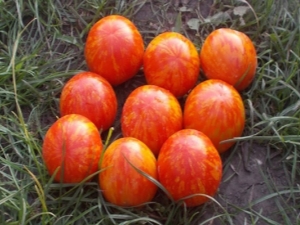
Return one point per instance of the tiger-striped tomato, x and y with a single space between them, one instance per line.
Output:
229 55
216 109
121 179
72 148
172 61
114 49
90 95
151 114
189 164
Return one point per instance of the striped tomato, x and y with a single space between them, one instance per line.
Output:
72 147
121 180
189 164
114 49
171 61
151 114
90 95
216 109
229 55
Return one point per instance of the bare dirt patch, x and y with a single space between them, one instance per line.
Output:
254 176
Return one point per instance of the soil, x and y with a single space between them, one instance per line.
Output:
250 178
253 171
250 181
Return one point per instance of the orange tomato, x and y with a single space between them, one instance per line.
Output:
229 55
90 95
171 61
72 146
151 114
120 181
114 49
189 164
216 109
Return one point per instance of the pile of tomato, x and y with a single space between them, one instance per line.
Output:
163 145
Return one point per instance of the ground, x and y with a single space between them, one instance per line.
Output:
244 180
260 183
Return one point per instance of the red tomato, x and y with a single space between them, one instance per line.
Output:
216 109
151 114
114 49
121 183
72 144
171 61
189 164
90 95
229 55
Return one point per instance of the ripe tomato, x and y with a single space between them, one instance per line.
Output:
229 55
151 114
189 164
216 109
121 183
73 146
114 49
171 61
90 95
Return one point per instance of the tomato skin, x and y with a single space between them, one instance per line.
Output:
188 164
172 61
73 143
151 114
121 183
114 49
90 95
216 109
229 55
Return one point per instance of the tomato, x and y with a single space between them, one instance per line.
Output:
73 146
229 55
90 95
151 114
171 61
189 164
216 109
114 49
121 181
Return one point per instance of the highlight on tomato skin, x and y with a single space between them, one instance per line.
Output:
151 114
229 55
73 147
120 181
189 164
171 61
114 49
216 109
92 96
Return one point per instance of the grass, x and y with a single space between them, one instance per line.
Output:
41 46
